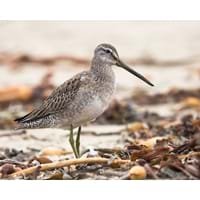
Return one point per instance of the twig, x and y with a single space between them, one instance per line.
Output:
65 163
190 154
101 134
182 170
107 150
150 171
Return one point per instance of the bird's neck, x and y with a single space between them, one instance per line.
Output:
102 70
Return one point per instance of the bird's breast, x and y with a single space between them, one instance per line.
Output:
93 100
96 105
95 108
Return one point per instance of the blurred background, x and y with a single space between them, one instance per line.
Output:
37 56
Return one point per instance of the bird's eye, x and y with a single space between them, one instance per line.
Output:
108 51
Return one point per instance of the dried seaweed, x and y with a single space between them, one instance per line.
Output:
154 146
18 60
172 96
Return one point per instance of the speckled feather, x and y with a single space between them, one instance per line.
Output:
78 100
60 98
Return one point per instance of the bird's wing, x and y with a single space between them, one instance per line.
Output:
59 99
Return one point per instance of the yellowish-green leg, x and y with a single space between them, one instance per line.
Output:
71 141
78 141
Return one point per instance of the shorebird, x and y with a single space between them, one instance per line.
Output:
80 99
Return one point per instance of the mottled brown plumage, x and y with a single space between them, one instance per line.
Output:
64 106
83 97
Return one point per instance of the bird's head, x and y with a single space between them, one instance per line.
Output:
108 54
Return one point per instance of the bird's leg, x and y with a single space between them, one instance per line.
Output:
78 141
71 141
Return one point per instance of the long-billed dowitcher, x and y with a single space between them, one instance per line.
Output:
80 99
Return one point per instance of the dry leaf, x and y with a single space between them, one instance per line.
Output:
43 160
137 126
150 143
138 151
15 93
190 102
54 152
54 176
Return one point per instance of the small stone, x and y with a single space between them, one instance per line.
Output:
137 173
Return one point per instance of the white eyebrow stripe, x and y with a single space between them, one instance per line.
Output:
109 49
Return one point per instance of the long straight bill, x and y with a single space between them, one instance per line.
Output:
127 68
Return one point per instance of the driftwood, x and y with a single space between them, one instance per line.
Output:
65 163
